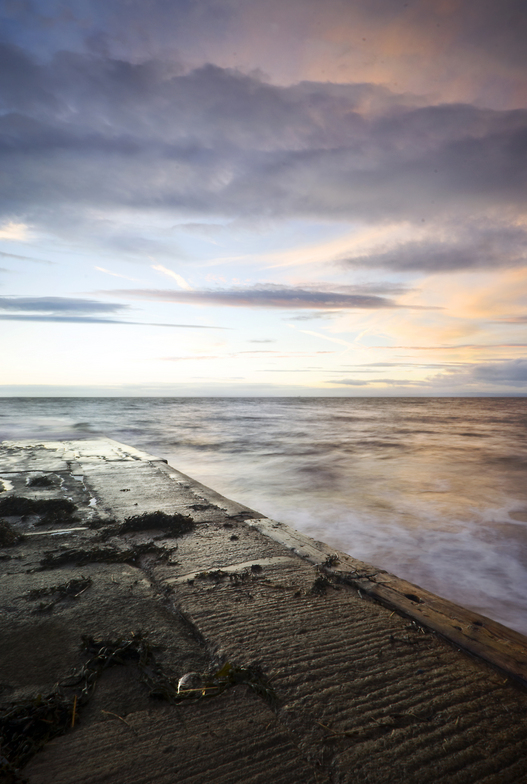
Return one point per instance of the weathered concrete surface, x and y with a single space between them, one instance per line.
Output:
362 693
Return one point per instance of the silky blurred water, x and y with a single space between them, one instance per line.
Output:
433 490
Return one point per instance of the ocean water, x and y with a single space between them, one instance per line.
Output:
433 490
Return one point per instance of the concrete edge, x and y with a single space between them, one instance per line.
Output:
476 634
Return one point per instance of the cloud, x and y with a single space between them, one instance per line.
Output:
254 354
94 320
446 44
182 283
394 382
455 347
314 315
511 320
116 274
69 310
197 356
476 246
264 296
24 258
12 230
57 305
207 230
349 382
83 133
510 373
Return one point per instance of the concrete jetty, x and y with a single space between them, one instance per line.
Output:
152 630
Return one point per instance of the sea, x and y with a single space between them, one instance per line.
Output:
433 490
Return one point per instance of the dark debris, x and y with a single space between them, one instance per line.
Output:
320 584
28 725
8 535
175 524
49 510
131 555
40 481
57 593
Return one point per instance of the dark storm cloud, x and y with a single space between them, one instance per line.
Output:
270 296
83 133
475 246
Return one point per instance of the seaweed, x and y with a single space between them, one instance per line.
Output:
211 574
131 555
106 653
8 535
211 685
172 525
72 590
235 578
40 481
320 584
175 524
137 649
50 510
97 523
28 725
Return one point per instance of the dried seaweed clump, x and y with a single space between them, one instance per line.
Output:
40 480
28 725
137 649
50 510
320 584
8 535
175 524
57 593
82 557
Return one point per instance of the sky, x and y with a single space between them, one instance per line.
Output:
252 197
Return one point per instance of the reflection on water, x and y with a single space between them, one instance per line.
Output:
431 489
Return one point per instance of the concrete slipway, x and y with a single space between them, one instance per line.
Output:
309 666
